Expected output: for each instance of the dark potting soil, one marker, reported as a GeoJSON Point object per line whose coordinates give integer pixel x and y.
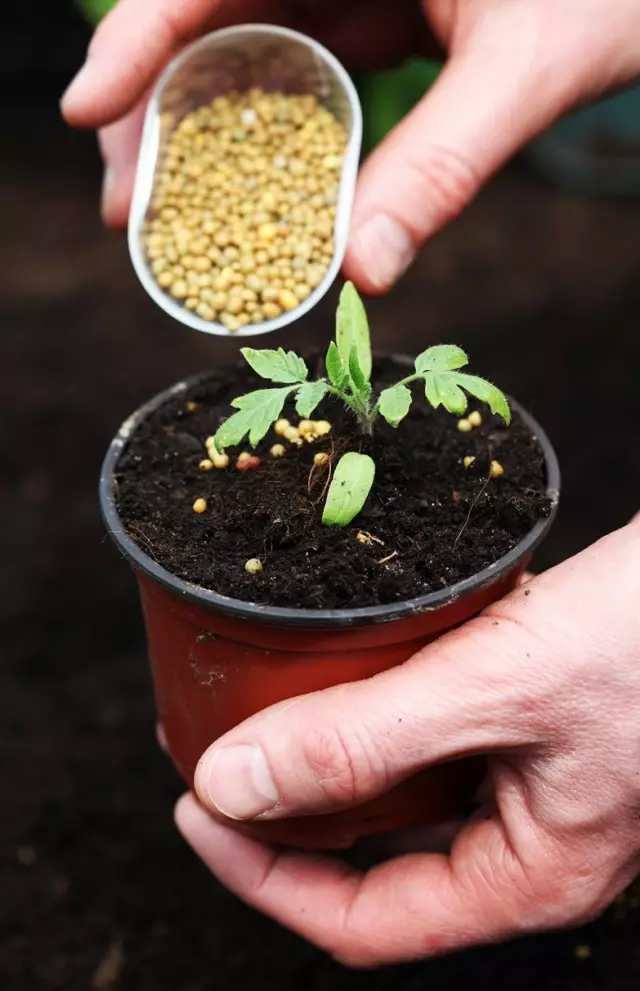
{"type": "Point", "coordinates": [434, 521]}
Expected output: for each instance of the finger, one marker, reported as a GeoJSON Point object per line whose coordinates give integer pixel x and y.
{"type": "Point", "coordinates": [411, 907]}
{"type": "Point", "coordinates": [119, 144]}
{"type": "Point", "coordinates": [135, 41]}
{"type": "Point", "coordinates": [355, 741]}
{"type": "Point", "coordinates": [488, 102]}
{"type": "Point", "coordinates": [128, 50]}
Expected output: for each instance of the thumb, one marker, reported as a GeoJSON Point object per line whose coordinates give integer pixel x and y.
{"type": "Point", "coordinates": [356, 741]}
{"type": "Point", "coordinates": [487, 103]}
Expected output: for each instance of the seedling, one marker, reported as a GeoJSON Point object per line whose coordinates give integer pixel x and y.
{"type": "Point", "coordinates": [348, 365]}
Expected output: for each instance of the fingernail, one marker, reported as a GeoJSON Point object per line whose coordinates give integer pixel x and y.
{"type": "Point", "coordinates": [238, 782]}
{"type": "Point", "coordinates": [77, 88]}
{"type": "Point", "coordinates": [384, 249]}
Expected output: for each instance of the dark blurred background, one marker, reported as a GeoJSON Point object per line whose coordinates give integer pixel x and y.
{"type": "Point", "coordinates": [539, 282]}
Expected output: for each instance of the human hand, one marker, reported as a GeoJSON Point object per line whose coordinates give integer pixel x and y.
{"type": "Point", "coordinates": [546, 682]}
{"type": "Point", "coordinates": [513, 68]}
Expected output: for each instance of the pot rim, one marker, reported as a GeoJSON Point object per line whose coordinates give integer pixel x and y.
{"type": "Point", "coordinates": [299, 617]}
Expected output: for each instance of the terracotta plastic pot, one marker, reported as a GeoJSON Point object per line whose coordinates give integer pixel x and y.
{"type": "Point", "coordinates": [217, 660]}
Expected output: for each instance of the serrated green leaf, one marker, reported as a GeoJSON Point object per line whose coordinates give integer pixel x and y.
{"type": "Point", "coordinates": [352, 329]}
{"type": "Point", "coordinates": [309, 396]}
{"type": "Point", "coordinates": [441, 358]}
{"type": "Point", "coordinates": [394, 404]}
{"type": "Point", "coordinates": [258, 410]}
{"type": "Point", "coordinates": [441, 390]}
{"type": "Point", "coordinates": [233, 430]}
{"type": "Point", "coordinates": [278, 366]}
{"type": "Point", "coordinates": [486, 393]}
{"type": "Point", "coordinates": [335, 368]}
{"type": "Point", "coordinates": [359, 384]}
{"type": "Point", "coordinates": [350, 486]}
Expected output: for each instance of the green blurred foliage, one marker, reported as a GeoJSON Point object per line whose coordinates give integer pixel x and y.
{"type": "Point", "coordinates": [387, 97]}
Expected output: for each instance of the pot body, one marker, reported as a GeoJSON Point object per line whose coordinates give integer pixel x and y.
{"type": "Point", "coordinates": [216, 661]}
{"type": "Point", "coordinates": [212, 671]}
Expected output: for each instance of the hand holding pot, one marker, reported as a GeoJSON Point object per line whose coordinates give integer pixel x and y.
{"type": "Point", "coordinates": [513, 69]}
{"type": "Point", "coordinates": [547, 683]}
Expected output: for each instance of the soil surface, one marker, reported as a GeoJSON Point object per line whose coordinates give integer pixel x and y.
{"type": "Point", "coordinates": [429, 522]}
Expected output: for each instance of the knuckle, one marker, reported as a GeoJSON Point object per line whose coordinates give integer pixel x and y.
{"type": "Point", "coordinates": [515, 654]}
{"type": "Point", "coordinates": [564, 896]}
{"type": "Point", "coordinates": [329, 760]}
{"type": "Point", "coordinates": [171, 20]}
{"type": "Point", "coordinates": [544, 886]}
{"type": "Point", "coordinates": [339, 764]}
{"type": "Point", "coordinates": [587, 891]}
{"type": "Point", "coordinates": [549, 903]}
{"type": "Point", "coordinates": [448, 175]}
{"type": "Point", "coordinates": [355, 946]}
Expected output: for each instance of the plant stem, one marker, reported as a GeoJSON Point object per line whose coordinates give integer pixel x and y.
{"type": "Point", "coordinates": [365, 417]}
{"type": "Point", "coordinates": [411, 378]}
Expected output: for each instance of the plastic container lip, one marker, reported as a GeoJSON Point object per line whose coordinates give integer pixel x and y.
{"type": "Point", "coordinates": [294, 617]}
{"type": "Point", "coordinates": [150, 149]}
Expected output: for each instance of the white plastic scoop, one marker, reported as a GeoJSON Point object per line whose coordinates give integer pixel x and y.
{"type": "Point", "coordinates": [237, 59]}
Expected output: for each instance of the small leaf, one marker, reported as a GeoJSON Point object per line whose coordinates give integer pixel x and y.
{"type": "Point", "coordinates": [351, 484]}
{"type": "Point", "coordinates": [441, 358]}
{"type": "Point", "coordinates": [258, 410]}
{"type": "Point", "coordinates": [441, 390]}
{"type": "Point", "coordinates": [352, 329]}
{"type": "Point", "coordinates": [394, 404]}
{"type": "Point", "coordinates": [278, 366]}
{"type": "Point", "coordinates": [309, 396]}
{"type": "Point", "coordinates": [359, 383]}
{"type": "Point", "coordinates": [233, 430]}
{"type": "Point", "coordinates": [335, 368]}
{"type": "Point", "coordinates": [486, 393]}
